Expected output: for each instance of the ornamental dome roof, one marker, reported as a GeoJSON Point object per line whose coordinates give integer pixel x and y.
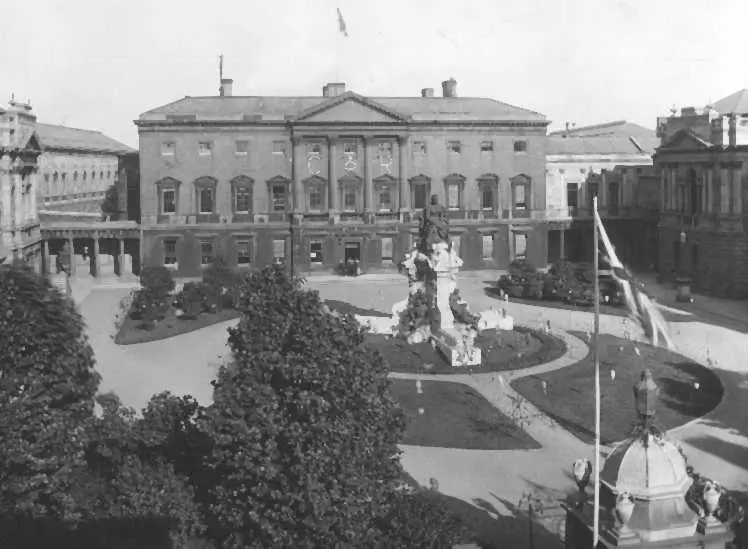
{"type": "Point", "coordinates": [648, 467]}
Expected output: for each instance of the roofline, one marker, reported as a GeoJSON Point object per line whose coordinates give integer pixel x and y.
{"type": "Point", "coordinates": [591, 127]}
{"type": "Point", "coordinates": [296, 124]}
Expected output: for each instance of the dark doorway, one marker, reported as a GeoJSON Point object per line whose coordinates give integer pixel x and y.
{"type": "Point", "coordinates": [554, 246]}
{"type": "Point", "coordinates": [352, 251]}
{"type": "Point", "coordinates": [676, 257]}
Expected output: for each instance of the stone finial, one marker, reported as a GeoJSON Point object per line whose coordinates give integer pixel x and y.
{"type": "Point", "coordinates": [646, 394]}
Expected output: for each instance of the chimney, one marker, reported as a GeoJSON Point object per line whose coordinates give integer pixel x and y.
{"type": "Point", "coordinates": [449, 88]}
{"type": "Point", "coordinates": [333, 89]}
{"type": "Point", "coordinates": [227, 87]}
{"type": "Point", "coordinates": [427, 92]}
{"type": "Point", "coordinates": [688, 111]}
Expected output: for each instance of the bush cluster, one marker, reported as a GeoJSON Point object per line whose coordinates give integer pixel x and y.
{"type": "Point", "coordinates": [348, 268]}
{"type": "Point", "coordinates": [565, 281]}
{"type": "Point", "coordinates": [152, 299]}
{"type": "Point", "coordinates": [298, 448]}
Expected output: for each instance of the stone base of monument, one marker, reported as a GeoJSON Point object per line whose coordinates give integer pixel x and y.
{"type": "Point", "coordinates": [451, 344]}
{"type": "Point", "coordinates": [495, 320]}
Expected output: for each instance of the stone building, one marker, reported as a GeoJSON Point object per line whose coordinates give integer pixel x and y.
{"type": "Point", "coordinates": [318, 180]}
{"type": "Point", "coordinates": [703, 162]}
{"type": "Point", "coordinates": [77, 167]}
{"type": "Point", "coordinates": [613, 161]}
{"type": "Point", "coordinates": [20, 237]}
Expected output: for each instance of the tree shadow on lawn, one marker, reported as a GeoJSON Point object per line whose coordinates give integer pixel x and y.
{"type": "Point", "coordinates": [567, 396]}
{"type": "Point", "coordinates": [346, 308]}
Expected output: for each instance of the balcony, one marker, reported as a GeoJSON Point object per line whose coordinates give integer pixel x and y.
{"type": "Point", "coordinates": [352, 217]}
{"type": "Point", "coordinates": [317, 218]}
{"type": "Point", "coordinates": [386, 217]}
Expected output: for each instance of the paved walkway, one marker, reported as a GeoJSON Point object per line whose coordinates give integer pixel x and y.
{"type": "Point", "coordinates": [716, 445]}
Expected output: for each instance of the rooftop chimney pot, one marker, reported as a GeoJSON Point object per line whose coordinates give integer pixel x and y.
{"type": "Point", "coordinates": [227, 87]}
{"type": "Point", "coordinates": [427, 92]}
{"type": "Point", "coordinates": [449, 88]}
{"type": "Point", "coordinates": [333, 89]}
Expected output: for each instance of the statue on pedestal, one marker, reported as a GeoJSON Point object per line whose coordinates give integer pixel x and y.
{"type": "Point", "coordinates": [434, 226]}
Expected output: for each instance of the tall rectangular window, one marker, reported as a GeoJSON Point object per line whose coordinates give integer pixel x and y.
{"type": "Point", "coordinates": [385, 199]}
{"type": "Point", "coordinates": [420, 197]}
{"type": "Point", "coordinates": [520, 146]}
{"type": "Point", "coordinates": [168, 148]}
{"type": "Point", "coordinates": [486, 198]}
{"type": "Point", "coordinates": [205, 148]}
{"type": "Point", "coordinates": [279, 198]}
{"type": "Point", "coordinates": [170, 253]}
{"type": "Point", "coordinates": [454, 147]}
{"type": "Point", "coordinates": [487, 246]}
{"type": "Point", "coordinates": [206, 252]}
{"type": "Point", "coordinates": [315, 252]}
{"type": "Point", "coordinates": [243, 252]}
{"type": "Point", "coordinates": [315, 199]}
{"type": "Point", "coordinates": [520, 197]}
{"type": "Point", "coordinates": [242, 200]}
{"type": "Point", "coordinates": [169, 201]}
{"type": "Point", "coordinates": [206, 200]}
{"type": "Point", "coordinates": [453, 196]}
{"type": "Point", "coordinates": [520, 246]}
{"type": "Point", "coordinates": [486, 146]}
{"type": "Point", "coordinates": [279, 250]}
{"type": "Point", "coordinates": [242, 147]}
{"type": "Point", "coordinates": [387, 252]}
{"type": "Point", "coordinates": [572, 195]}
{"type": "Point", "coordinates": [349, 199]}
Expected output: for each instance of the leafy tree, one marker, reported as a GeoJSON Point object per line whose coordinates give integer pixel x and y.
{"type": "Point", "coordinates": [152, 299]}
{"type": "Point", "coordinates": [47, 388]}
{"type": "Point", "coordinates": [110, 204]}
{"type": "Point", "coordinates": [304, 431]}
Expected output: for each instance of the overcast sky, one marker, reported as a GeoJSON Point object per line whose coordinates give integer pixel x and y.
{"type": "Point", "coordinates": [98, 64]}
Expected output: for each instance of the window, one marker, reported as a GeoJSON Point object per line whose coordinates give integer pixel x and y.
{"type": "Point", "coordinates": [454, 147]}
{"type": "Point", "coordinates": [242, 147]}
{"type": "Point", "coordinates": [243, 255]}
{"type": "Point", "coordinates": [486, 146]}
{"type": "Point", "coordinates": [419, 147]}
{"type": "Point", "coordinates": [75, 175]}
{"type": "Point", "coordinates": [572, 195]}
{"type": "Point", "coordinates": [93, 174]}
{"type": "Point", "coordinates": [350, 147]}
{"type": "Point", "coordinates": [46, 178]}
{"type": "Point", "coordinates": [205, 198]}
{"type": "Point", "coordinates": [101, 174]}
{"type": "Point", "coordinates": [109, 174]}
{"type": "Point", "coordinates": [420, 195]}
{"type": "Point", "coordinates": [279, 250]}
{"type": "Point", "coordinates": [64, 177]}
{"type": "Point", "coordinates": [487, 247]}
{"type": "Point", "coordinates": [315, 251]}
{"type": "Point", "coordinates": [486, 198]}
{"type": "Point", "coordinates": [520, 246]}
{"type": "Point", "coordinates": [520, 197]}
{"type": "Point", "coordinates": [453, 196]}
{"type": "Point", "coordinates": [169, 201]}
{"type": "Point", "coordinates": [279, 148]}
{"type": "Point", "coordinates": [314, 148]}
{"type": "Point", "coordinates": [384, 199]}
{"type": "Point", "coordinates": [561, 171]}
{"type": "Point", "coordinates": [85, 175]}
{"type": "Point", "coordinates": [520, 146]}
{"type": "Point", "coordinates": [242, 200]}
{"type": "Point", "coordinates": [349, 199]}
{"type": "Point", "coordinates": [279, 197]}
{"type": "Point", "coordinates": [168, 148]}
{"type": "Point", "coordinates": [206, 252]}
{"type": "Point", "coordinates": [170, 252]}
{"type": "Point", "coordinates": [315, 198]}
{"type": "Point", "coordinates": [387, 249]}
{"type": "Point", "coordinates": [205, 148]}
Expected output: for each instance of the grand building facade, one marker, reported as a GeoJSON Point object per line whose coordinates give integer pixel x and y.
{"type": "Point", "coordinates": [20, 236]}
{"type": "Point", "coordinates": [703, 162]}
{"type": "Point", "coordinates": [316, 181]}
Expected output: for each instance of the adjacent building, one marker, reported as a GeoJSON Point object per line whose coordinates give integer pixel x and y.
{"type": "Point", "coordinates": [703, 163]}
{"type": "Point", "coordinates": [20, 236]}
{"type": "Point", "coordinates": [77, 167]}
{"type": "Point", "coordinates": [613, 162]}
{"type": "Point", "coordinates": [318, 180]}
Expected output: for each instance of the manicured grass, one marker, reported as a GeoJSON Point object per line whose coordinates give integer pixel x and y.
{"type": "Point", "coordinates": [551, 304]}
{"type": "Point", "coordinates": [130, 334]}
{"type": "Point", "coordinates": [502, 350]}
{"type": "Point", "coordinates": [455, 416]}
{"type": "Point", "coordinates": [346, 308]}
{"type": "Point", "coordinates": [569, 396]}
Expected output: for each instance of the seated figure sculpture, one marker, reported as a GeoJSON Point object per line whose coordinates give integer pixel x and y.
{"type": "Point", "coordinates": [434, 226]}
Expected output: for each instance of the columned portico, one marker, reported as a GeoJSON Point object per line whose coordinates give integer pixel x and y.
{"type": "Point", "coordinates": [404, 143]}
{"type": "Point", "coordinates": [334, 206]}
{"type": "Point", "coordinates": [95, 256]}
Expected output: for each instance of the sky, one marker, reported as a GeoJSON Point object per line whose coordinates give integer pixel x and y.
{"type": "Point", "coordinates": [99, 64]}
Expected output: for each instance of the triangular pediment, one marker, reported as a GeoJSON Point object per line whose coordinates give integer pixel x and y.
{"type": "Point", "coordinates": [279, 179]}
{"type": "Point", "coordinates": [351, 178]}
{"type": "Point", "coordinates": [384, 179]}
{"type": "Point", "coordinates": [33, 143]}
{"type": "Point", "coordinates": [350, 107]}
{"type": "Point", "coordinates": [314, 180]}
{"type": "Point", "coordinates": [686, 140]}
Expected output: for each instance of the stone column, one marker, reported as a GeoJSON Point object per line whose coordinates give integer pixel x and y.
{"type": "Point", "coordinates": [368, 201]}
{"type": "Point", "coordinates": [296, 169]}
{"type": "Point", "coordinates": [19, 213]}
{"type": "Point", "coordinates": [33, 214]}
{"type": "Point", "coordinates": [333, 204]}
{"type": "Point", "coordinates": [71, 245]}
{"type": "Point", "coordinates": [562, 246]}
{"type": "Point", "coordinates": [121, 256]}
{"type": "Point", "coordinates": [46, 269]}
{"type": "Point", "coordinates": [95, 256]}
{"type": "Point", "coordinates": [403, 161]}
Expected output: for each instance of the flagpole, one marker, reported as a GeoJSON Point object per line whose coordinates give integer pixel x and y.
{"type": "Point", "coordinates": [596, 360]}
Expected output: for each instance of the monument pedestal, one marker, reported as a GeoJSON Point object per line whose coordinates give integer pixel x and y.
{"type": "Point", "coordinates": [451, 344]}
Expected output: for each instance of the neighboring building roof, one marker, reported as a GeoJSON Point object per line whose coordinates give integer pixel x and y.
{"type": "Point", "coordinates": [444, 109]}
{"type": "Point", "coordinates": [736, 103]}
{"type": "Point", "coordinates": [619, 128]}
{"type": "Point", "coordinates": [74, 139]}
{"type": "Point", "coordinates": [600, 145]}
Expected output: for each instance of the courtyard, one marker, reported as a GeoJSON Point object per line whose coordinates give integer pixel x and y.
{"type": "Point", "coordinates": [494, 479]}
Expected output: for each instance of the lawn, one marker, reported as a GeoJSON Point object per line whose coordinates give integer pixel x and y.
{"type": "Point", "coordinates": [502, 350]}
{"type": "Point", "coordinates": [455, 416]}
{"type": "Point", "coordinates": [553, 304]}
{"type": "Point", "coordinates": [171, 325]}
{"type": "Point", "coordinates": [569, 399]}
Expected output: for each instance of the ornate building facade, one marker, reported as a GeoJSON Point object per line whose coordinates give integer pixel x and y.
{"type": "Point", "coordinates": [315, 181]}
{"type": "Point", "coordinates": [20, 236]}
{"type": "Point", "coordinates": [703, 164]}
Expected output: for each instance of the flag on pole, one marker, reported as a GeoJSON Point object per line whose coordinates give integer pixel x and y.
{"type": "Point", "coordinates": [641, 307]}
{"type": "Point", "coordinates": [341, 24]}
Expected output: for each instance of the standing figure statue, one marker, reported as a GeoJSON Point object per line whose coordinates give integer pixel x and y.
{"type": "Point", "coordinates": [434, 227]}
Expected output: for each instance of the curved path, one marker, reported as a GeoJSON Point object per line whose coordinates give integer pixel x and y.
{"type": "Point", "coordinates": [716, 445]}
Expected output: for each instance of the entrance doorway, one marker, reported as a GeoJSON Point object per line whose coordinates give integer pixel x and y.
{"type": "Point", "coordinates": [352, 251]}
{"type": "Point", "coordinates": [554, 246]}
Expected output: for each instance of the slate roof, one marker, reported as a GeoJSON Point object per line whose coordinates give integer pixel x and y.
{"type": "Point", "coordinates": [736, 103]}
{"type": "Point", "coordinates": [621, 128]}
{"type": "Point", "coordinates": [442, 109]}
{"type": "Point", "coordinates": [599, 145]}
{"type": "Point", "coordinates": [74, 139]}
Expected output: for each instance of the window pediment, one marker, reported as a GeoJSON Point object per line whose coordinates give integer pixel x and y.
{"type": "Point", "coordinates": [315, 180]}
{"type": "Point", "coordinates": [168, 182]}
{"type": "Point", "coordinates": [420, 178]}
{"type": "Point", "coordinates": [206, 182]}
{"type": "Point", "coordinates": [350, 179]}
{"type": "Point", "coordinates": [242, 181]}
{"type": "Point", "coordinates": [455, 178]}
{"type": "Point", "coordinates": [488, 178]}
{"type": "Point", "coordinates": [520, 179]}
{"type": "Point", "coordinates": [279, 180]}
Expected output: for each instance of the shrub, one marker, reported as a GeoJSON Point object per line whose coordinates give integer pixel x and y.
{"type": "Point", "coordinates": [419, 312]}
{"type": "Point", "coordinates": [222, 282]}
{"type": "Point", "coordinates": [158, 280]}
{"type": "Point", "coordinates": [304, 432]}
{"type": "Point", "coordinates": [348, 268]}
{"type": "Point", "coordinates": [47, 387]}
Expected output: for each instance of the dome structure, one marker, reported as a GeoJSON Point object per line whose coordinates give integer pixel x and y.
{"type": "Point", "coordinates": [647, 467]}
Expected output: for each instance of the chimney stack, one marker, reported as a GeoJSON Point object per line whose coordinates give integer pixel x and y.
{"type": "Point", "coordinates": [427, 92]}
{"type": "Point", "coordinates": [227, 87]}
{"type": "Point", "coordinates": [449, 88]}
{"type": "Point", "coordinates": [333, 89]}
